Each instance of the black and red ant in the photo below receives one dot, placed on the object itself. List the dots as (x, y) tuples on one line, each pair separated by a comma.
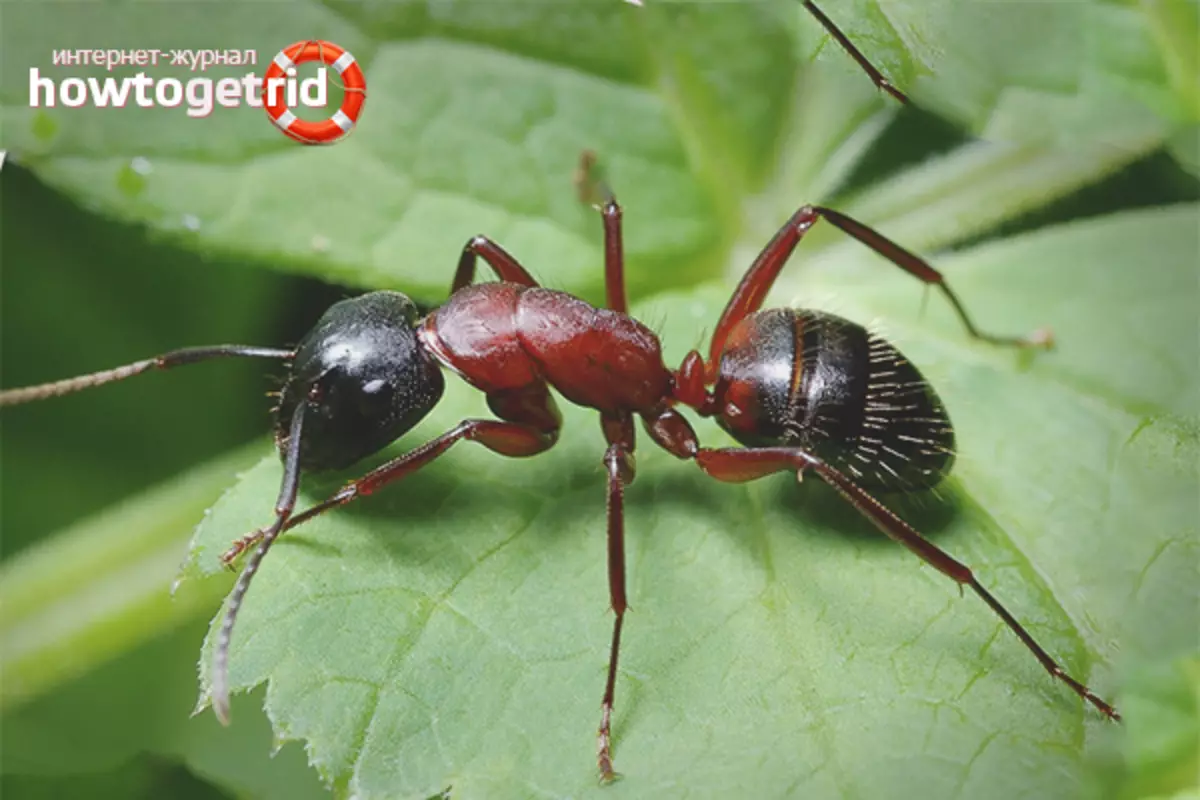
[(801, 390)]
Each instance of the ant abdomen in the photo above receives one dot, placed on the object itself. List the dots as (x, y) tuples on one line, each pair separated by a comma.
[(803, 378)]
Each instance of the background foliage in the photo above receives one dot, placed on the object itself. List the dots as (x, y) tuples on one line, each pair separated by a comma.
[(778, 643)]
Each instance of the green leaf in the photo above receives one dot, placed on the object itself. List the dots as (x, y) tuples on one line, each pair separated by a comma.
[(135, 703), (713, 122), (474, 117), (1161, 756), (80, 292), (1097, 72), (136, 779), (476, 111), (452, 631), (127, 723), (247, 760), (100, 588)]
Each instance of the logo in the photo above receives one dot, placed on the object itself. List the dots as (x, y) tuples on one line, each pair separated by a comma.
[(279, 93), (279, 90)]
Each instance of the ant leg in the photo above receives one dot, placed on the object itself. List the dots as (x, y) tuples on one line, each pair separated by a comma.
[(921, 269), (531, 422), (515, 440), (512, 439), (752, 290), (614, 257), (175, 358), (507, 267), (736, 465), (867, 67), (670, 430), (618, 460), (593, 189), (241, 545)]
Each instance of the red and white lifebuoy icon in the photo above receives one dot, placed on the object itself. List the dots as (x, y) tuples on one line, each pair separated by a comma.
[(326, 131)]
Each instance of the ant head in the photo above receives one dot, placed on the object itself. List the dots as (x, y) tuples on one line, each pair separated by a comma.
[(365, 377)]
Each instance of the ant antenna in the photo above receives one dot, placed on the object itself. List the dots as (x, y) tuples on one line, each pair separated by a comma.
[(175, 358), (288, 490)]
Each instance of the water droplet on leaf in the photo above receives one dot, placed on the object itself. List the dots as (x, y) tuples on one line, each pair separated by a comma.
[(45, 127), (129, 182)]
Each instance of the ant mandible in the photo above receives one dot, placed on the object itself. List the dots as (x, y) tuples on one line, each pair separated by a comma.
[(801, 390)]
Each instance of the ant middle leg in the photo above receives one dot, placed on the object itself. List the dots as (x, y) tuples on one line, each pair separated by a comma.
[(594, 190), (506, 266), (619, 463), (737, 465), (614, 257), (671, 431)]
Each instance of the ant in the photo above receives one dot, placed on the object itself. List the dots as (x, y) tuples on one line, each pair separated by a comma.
[(801, 390)]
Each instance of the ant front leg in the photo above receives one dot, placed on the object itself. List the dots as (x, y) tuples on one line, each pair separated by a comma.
[(752, 290), (619, 463), (513, 439), (736, 465)]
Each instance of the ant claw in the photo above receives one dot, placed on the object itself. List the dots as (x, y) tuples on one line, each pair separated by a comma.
[(238, 547), (608, 776), (604, 752)]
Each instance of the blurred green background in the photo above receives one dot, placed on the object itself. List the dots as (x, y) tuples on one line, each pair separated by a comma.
[(92, 279)]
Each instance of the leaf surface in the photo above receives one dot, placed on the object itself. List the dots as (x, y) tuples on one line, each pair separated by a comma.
[(778, 644), (452, 631), (477, 111)]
